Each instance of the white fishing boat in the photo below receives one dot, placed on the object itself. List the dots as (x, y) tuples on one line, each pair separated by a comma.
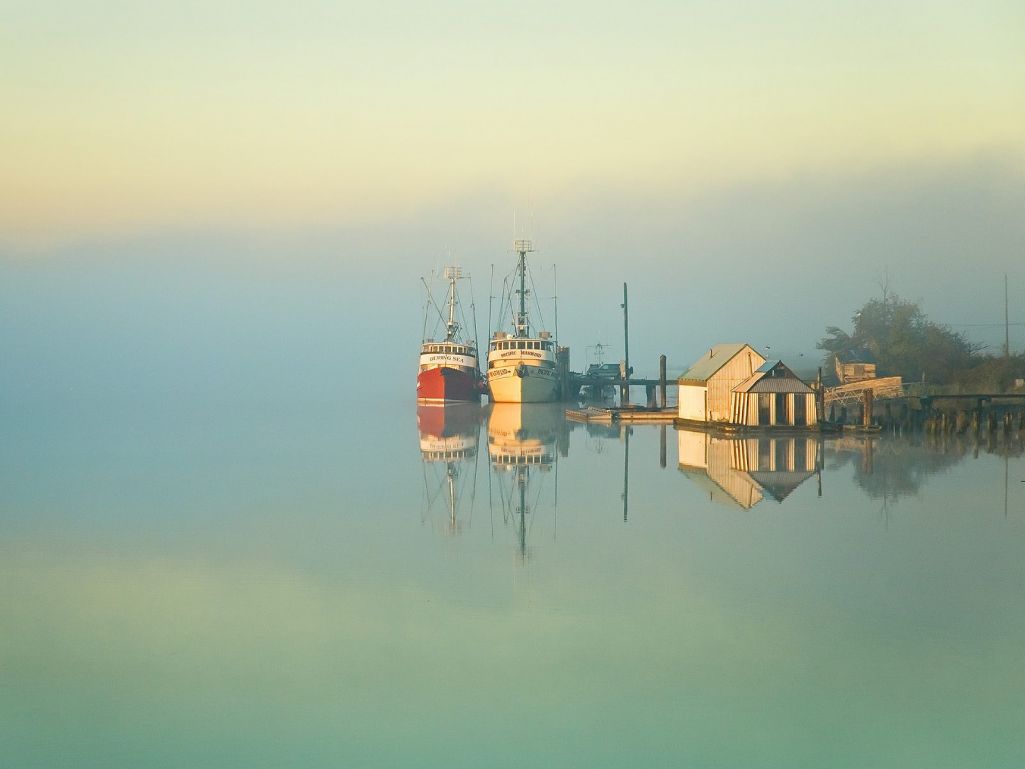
[(521, 365)]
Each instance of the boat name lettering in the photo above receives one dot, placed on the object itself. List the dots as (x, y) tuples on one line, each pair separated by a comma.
[(521, 353)]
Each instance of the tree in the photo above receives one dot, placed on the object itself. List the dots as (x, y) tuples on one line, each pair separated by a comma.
[(903, 341)]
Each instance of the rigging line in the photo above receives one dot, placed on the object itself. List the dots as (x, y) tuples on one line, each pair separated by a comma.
[(491, 298), (427, 307), (476, 461), (473, 312), (437, 494), (430, 298), (501, 498), (425, 508), (535, 507), (555, 278), (508, 284), (491, 501), (555, 531), (430, 500), (537, 302)]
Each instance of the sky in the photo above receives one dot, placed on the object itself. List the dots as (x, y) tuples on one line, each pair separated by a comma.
[(246, 188)]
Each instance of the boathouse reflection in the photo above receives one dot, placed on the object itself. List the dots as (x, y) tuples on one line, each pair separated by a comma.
[(742, 471)]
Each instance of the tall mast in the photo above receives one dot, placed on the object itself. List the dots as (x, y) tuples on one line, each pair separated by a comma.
[(451, 326), (523, 247), (1007, 325)]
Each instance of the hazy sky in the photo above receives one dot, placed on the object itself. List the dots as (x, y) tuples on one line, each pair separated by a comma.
[(752, 169)]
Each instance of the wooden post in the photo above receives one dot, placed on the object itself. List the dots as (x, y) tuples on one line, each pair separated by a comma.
[(624, 389), (820, 399), (662, 380), (624, 395), (562, 369), (866, 408)]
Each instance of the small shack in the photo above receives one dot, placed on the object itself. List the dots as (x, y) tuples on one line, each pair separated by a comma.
[(773, 396), (705, 388), (854, 366)]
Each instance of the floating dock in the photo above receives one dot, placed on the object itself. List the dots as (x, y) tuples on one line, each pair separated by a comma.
[(611, 414)]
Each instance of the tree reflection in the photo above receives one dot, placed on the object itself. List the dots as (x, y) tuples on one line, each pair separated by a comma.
[(889, 467)]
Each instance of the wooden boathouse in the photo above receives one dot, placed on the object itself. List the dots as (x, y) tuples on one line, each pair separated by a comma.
[(735, 386), (705, 388), (773, 396)]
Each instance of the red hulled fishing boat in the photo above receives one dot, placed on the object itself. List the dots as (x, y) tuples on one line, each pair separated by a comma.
[(449, 371)]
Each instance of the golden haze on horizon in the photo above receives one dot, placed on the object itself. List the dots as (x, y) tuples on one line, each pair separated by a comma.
[(108, 136)]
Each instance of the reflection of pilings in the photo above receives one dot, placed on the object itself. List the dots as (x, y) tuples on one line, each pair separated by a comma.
[(662, 448), (866, 460), (626, 471), (954, 414)]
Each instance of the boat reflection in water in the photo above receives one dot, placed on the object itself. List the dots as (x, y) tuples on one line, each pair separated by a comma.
[(742, 471), (522, 448), (449, 435)]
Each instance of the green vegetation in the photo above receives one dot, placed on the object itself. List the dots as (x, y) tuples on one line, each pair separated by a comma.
[(904, 342)]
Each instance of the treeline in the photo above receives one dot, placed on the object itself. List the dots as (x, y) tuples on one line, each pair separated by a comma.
[(904, 342)]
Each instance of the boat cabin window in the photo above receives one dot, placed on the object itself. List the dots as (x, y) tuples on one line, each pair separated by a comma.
[(521, 345)]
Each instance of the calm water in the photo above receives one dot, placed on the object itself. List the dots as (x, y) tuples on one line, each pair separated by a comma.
[(309, 586)]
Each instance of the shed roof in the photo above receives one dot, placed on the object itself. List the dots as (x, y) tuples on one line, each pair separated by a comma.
[(717, 356), (773, 377)]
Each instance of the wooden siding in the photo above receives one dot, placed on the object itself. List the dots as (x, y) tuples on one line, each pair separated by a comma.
[(854, 372), (744, 410), (720, 385), (691, 402)]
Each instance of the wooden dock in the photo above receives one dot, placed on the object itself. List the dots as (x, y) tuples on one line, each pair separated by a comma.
[(610, 414)]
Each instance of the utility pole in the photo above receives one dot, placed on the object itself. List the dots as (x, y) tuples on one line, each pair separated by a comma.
[(624, 393), (1007, 326)]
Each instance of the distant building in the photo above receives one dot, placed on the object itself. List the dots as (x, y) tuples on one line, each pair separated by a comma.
[(854, 366), (735, 385)]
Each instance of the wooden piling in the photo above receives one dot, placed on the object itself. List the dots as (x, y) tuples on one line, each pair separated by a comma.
[(662, 380)]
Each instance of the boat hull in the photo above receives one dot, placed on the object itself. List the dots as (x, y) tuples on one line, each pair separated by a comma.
[(523, 384), (447, 385)]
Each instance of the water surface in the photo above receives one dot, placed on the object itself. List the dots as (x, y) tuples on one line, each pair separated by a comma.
[(309, 585)]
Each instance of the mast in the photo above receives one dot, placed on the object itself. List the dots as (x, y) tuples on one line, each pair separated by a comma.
[(523, 247), (451, 326)]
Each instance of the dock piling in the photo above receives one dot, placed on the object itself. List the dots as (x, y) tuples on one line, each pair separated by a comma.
[(662, 379)]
